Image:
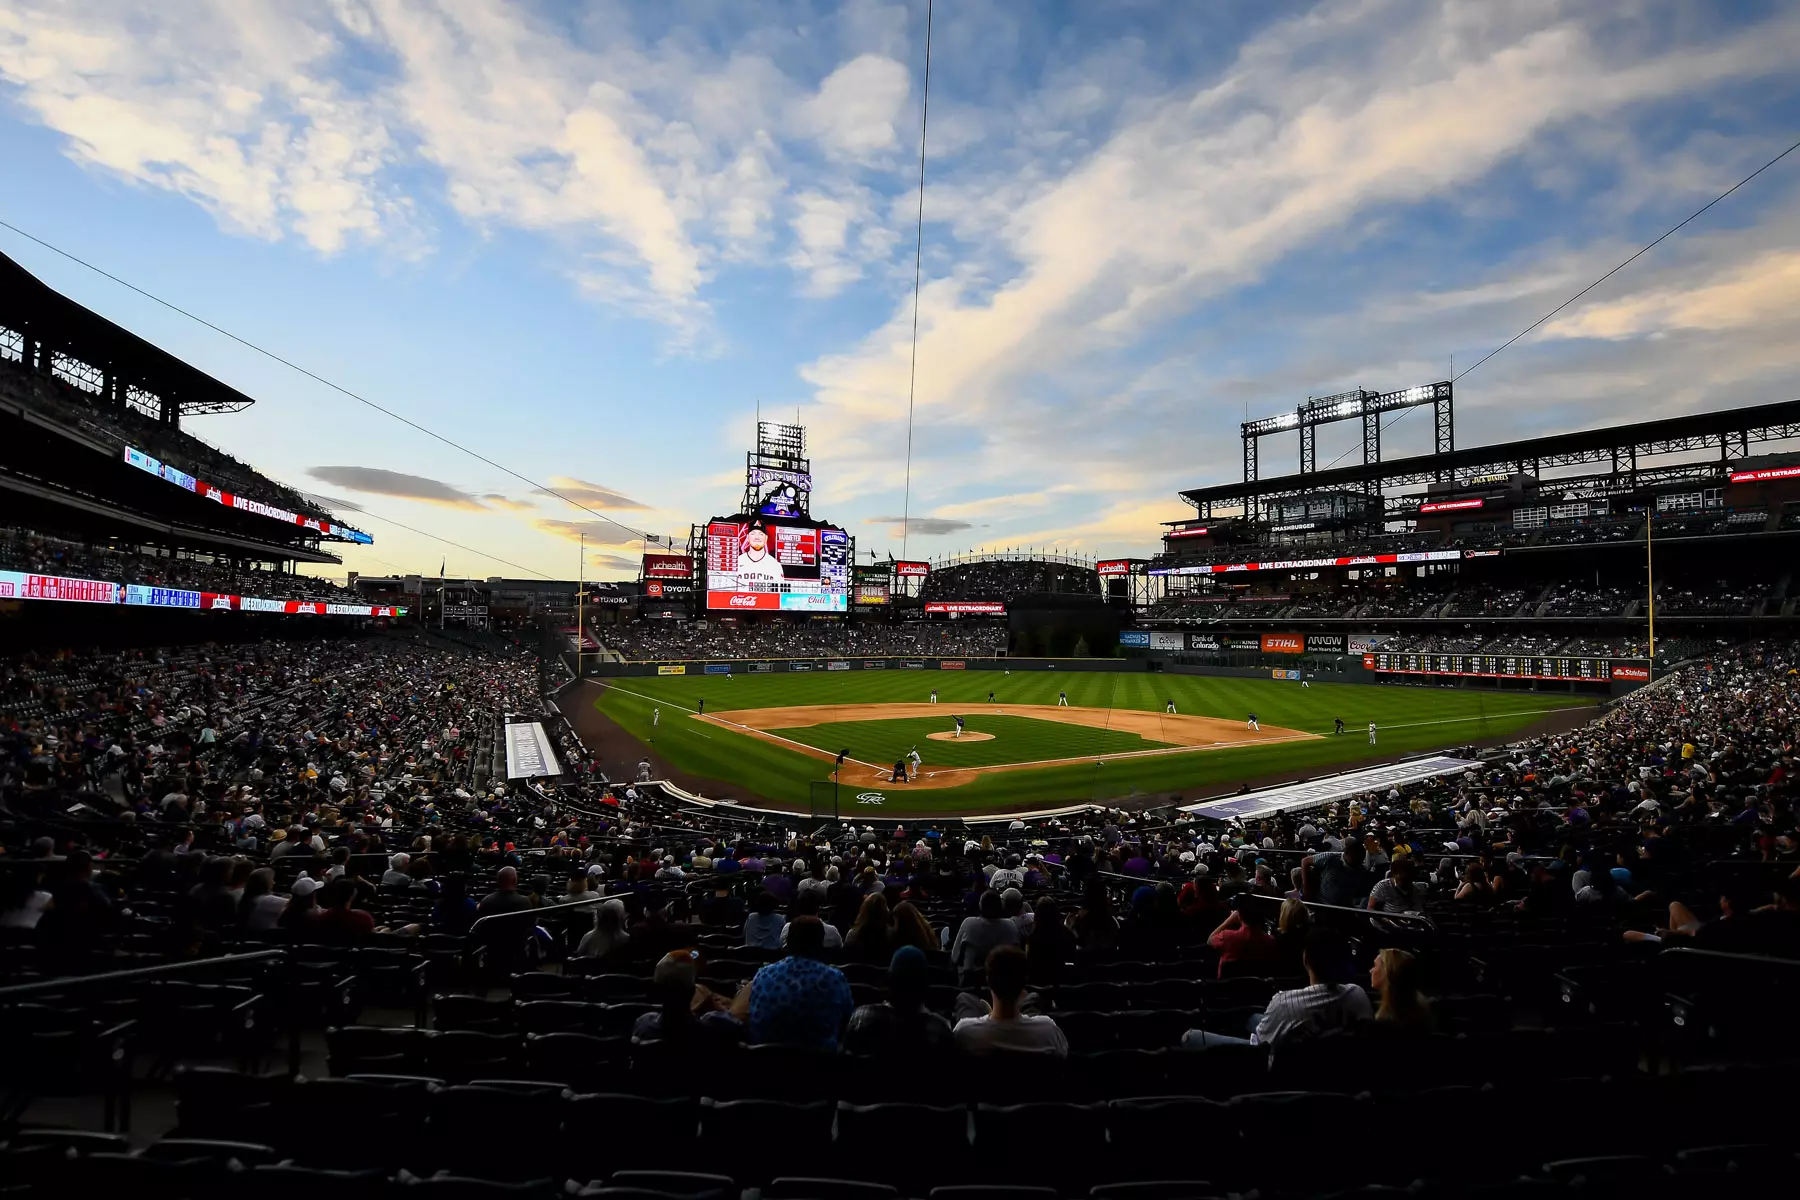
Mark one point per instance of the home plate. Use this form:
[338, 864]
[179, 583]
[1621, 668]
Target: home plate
[968, 736]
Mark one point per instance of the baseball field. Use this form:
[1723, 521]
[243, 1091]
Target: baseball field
[1022, 747]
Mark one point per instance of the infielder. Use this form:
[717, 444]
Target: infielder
[934, 695]
[1062, 699]
[1170, 708]
[1253, 724]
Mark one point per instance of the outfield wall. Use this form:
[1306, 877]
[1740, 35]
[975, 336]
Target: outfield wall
[1343, 669]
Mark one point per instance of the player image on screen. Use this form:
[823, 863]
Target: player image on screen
[753, 564]
[756, 570]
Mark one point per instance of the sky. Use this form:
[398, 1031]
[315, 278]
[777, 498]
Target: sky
[592, 241]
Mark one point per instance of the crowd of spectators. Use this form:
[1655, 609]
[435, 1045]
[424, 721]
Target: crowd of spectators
[1004, 578]
[652, 640]
[205, 796]
[23, 550]
[1576, 600]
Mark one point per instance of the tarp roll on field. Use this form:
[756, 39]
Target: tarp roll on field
[1314, 793]
[528, 751]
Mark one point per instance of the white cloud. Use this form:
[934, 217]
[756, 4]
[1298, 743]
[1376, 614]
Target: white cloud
[233, 106]
[1322, 125]
[853, 114]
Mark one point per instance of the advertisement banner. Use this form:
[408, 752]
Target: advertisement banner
[1283, 643]
[799, 666]
[1437, 506]
[1635, 674]
[1363, 643]
[837, 666]
[716, 669]
[1115, 566]
[1325, 643]
[1205, 641]
[872, 593]
[1134, 637]
[912, 665]
[1162, 640]
[668, 566]
[952, 665]
[912, 570]
[15, 585]
[1356, 560]
[1765, 474]
[874, 664]
[986, 608]
[759, 668]
[1368, 662]
[144, 462]
[672, 669]
[1280, 673]
[161, 597]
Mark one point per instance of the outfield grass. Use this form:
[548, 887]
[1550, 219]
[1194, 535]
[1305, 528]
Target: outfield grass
[1410, 720]
[1016, 739]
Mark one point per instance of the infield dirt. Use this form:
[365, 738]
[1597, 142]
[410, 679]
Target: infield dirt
[1181, 734]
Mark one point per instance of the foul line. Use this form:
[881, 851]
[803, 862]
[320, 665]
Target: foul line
[740, 725]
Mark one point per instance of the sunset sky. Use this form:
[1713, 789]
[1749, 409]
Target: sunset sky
[588, 240]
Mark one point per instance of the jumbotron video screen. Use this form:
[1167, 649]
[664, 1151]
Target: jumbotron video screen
[757, 564]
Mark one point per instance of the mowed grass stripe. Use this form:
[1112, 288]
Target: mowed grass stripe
[1016, 739]
[1412, 719]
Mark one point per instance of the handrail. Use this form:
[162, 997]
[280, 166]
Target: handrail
[68, 982]
[538, 913]
[1728, 956]
[1368, 913]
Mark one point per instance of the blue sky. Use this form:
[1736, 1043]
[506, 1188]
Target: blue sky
[589, 239]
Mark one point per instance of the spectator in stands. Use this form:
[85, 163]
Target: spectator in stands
[505, 897]
[809, 905]
[912, 929]
[1291, 930]
[799, 1001]
[1240, 941]
[688, 1013]
[764, 925]
[1328, 1001]
[261, 906]
[1338, 877]
[870, 938]
[397, 877]
[1400, 892]
[337, 921]
[608, 939]
[1093, 924]
[1394, 976]
[1005, 1028]
[900, 1028]
[979, 935]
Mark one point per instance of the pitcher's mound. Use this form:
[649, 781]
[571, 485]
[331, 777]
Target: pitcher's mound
[968, 736]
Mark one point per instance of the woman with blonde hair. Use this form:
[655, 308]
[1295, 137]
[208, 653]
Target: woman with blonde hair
[1395, 974]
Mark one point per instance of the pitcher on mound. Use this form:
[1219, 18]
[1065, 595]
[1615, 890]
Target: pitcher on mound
[959, 726]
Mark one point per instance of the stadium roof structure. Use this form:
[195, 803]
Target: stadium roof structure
[108, 358]
[1730, 431]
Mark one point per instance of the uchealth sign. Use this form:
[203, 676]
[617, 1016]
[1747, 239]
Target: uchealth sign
[1283, 643]
[1117, 566]
[912, 570]
[985, 608]
[668, 566]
